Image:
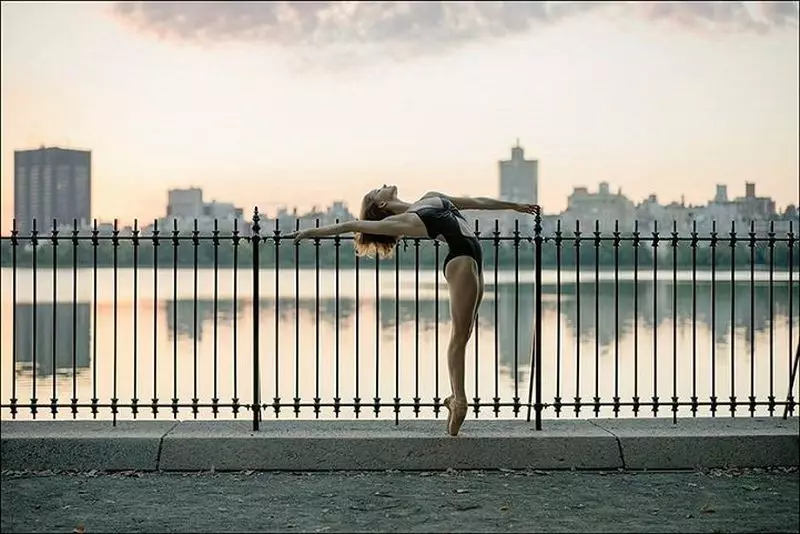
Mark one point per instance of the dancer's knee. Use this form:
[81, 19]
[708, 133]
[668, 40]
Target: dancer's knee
[459, 338]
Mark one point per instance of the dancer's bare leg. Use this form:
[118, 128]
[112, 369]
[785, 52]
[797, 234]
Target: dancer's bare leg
[465, 286]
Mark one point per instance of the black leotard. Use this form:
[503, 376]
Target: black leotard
[446, 223]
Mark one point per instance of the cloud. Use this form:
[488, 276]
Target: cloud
[419, 26]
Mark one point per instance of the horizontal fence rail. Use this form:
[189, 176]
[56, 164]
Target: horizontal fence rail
[167, 322]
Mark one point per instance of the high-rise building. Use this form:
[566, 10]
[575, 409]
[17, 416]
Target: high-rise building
[519, 178]
[52, 183]
[185, 203]
[722, 194]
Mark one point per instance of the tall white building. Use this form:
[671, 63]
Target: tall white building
[185, 203]
[519, 177]
[519, 182]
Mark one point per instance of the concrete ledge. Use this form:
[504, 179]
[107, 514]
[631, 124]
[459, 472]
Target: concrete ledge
[412, 445]
[378, 445]
[706, 442]
[82, 445]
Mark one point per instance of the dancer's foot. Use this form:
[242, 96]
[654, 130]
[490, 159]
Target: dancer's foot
[446, 403]
[457, 413]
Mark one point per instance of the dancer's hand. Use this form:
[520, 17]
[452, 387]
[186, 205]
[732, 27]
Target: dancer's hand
[298, 235]
[532, 209]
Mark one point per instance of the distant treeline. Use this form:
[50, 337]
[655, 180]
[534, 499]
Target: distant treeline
[225, 255]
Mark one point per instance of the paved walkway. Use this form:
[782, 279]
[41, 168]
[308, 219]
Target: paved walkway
[752, 500]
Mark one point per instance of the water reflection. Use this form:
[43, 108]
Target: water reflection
[181, 321]
[593, 310]
[49, 336]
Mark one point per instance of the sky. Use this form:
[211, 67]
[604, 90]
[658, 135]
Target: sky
[303, 103]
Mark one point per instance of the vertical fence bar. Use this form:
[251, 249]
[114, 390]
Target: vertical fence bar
[674, 245]
[789, 407]
[135, 244]
[636, 239]
[694, 318]
[255, 239]
[95, 243]
[397, 334]
[215, 341]
[276, 400]
[616, 317]
[175, 244]
[195, 245]
[35, 259]
[377, 398]
[558, 243]
[296, 398]
[496, 243]
[537, 229]
[516, 318]
[357, 398]
[236, 239]
[577, 406]
[74, 399]
[733, 317]
[316, 323]
[752, 244]
[416, 328]
[477, 398]
[14, 318]
[596, 318]
[537, 329]
[337, 243]
[713, 245]
[115, 247]
[154, 400]
[54, 250]
[655, 318]
[436, 398]
[772, 318]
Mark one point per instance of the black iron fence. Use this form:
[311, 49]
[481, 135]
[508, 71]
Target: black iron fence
[684, 324]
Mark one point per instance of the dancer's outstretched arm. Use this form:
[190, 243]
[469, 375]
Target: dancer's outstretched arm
[483, 203]
[405, 224]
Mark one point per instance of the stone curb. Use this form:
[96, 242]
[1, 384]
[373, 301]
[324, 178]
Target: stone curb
[602, 444]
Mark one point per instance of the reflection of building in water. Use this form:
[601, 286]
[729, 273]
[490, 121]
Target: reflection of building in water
[388, 307]
[48, 339]
[184, 313]
[653, 303]
[522, 323]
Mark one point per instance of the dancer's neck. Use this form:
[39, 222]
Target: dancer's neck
[397, 207]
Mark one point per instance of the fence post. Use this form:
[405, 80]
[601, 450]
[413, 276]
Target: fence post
[255, 238]
[536, 356]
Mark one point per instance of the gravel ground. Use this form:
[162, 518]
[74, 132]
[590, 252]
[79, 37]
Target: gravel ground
[754, 500]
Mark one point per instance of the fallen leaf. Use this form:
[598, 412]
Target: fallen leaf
[79, 529]
[504, 508]
[462, 491]
[707, 509]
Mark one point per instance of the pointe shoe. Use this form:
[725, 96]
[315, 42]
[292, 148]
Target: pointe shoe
[457, 413]
[446, 404]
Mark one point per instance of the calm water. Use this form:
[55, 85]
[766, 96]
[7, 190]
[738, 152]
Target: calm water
[594, 344]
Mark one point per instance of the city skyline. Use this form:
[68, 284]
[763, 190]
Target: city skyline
[650, 103]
